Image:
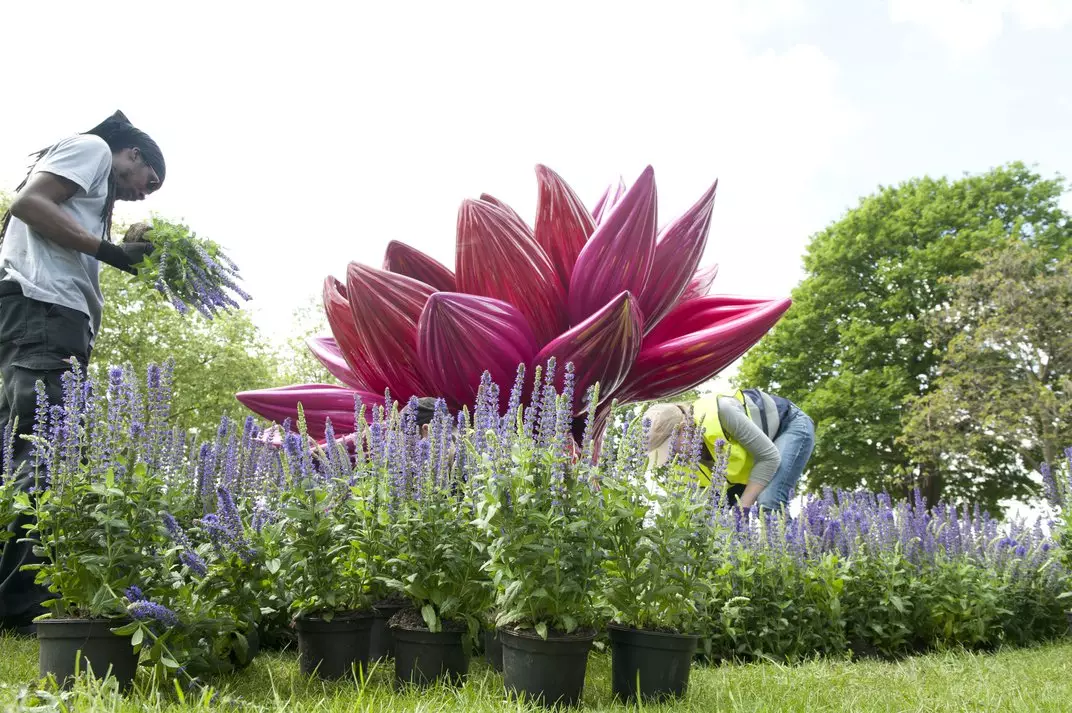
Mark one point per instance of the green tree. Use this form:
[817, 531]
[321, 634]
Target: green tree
[1001, 401]
[213, 359]
[854, 347]
[297, 365]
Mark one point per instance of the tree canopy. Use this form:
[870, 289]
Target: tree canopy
[855, 345]
[1001, 400]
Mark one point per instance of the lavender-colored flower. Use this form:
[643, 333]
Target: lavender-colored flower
[194, 562]
[228, 512]
[133, 593]
[144, 610]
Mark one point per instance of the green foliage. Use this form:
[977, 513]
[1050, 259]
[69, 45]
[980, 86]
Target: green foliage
[855, 346]
[543, 516]
[657, 538]
[1001, 400]
[325, 574]
[213, 359]
[95, 538]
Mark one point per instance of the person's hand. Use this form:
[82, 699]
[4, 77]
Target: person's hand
[137, 251]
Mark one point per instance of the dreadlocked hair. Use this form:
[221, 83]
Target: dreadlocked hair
[118, 133]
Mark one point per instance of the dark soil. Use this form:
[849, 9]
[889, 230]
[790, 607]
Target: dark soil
[552, 633]
[649, 630]
[411, 620]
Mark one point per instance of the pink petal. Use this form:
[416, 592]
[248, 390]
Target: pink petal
[497, 259]
[611, 197]
[460, 336]
[411, 262]
[699, 314]
[563, 224]
[602, 348]
[686, 361]
[601, 202]
[517, 219]
[619, 255]
[700, 284]
[385, 308]
[341, 320]
[677, 253]
[327, 351]
[319, 402]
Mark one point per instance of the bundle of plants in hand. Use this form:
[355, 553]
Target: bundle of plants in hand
[188, 270]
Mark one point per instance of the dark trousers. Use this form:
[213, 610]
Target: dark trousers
[37, 342]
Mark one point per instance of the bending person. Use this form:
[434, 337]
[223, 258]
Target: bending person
[769, 441]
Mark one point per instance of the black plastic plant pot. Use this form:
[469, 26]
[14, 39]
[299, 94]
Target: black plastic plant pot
[651, 665]
[425, 657]
[547, 671]
[85, 644]
[493, 649]
[337, 648]
[382, 644]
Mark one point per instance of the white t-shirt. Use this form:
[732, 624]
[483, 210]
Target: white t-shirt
[45, 270]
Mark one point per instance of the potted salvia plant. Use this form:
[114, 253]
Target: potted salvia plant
[372, 510]
[439, 559]
[323, 561]
[656, 545]
[96, 524]
[543, 517]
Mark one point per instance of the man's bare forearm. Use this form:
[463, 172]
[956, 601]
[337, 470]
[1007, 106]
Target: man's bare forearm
[49, 221]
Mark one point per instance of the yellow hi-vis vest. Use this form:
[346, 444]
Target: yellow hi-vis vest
[705, 411]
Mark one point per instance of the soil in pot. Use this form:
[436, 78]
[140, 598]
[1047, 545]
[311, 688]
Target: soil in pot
[652, 665]
[493, 649]
[550, 671]
[336, 648]
[382, 644]
[85, 643]
[424, 657]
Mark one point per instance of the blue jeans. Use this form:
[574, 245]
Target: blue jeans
[794, 442]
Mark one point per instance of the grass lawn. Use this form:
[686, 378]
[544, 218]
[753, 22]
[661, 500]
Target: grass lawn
[1035, 679]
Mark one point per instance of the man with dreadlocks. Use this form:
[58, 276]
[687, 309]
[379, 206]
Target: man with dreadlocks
[52, 242]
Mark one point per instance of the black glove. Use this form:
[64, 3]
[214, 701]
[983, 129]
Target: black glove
[124, 256]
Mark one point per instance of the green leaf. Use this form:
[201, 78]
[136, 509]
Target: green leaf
[428, 613]
[136, 639]
[541, 629]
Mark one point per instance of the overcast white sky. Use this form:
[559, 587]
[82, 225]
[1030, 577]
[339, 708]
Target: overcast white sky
[304, 137]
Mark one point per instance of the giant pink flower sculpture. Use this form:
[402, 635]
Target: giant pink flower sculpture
[625, 302]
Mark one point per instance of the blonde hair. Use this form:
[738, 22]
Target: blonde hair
[664, 418]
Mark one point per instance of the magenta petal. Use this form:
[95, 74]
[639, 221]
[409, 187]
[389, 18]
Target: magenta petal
[341, 320]
[385, 308]
[497, 259]
[619, 255]
[563, 224]
[687, 360]
[327, 351]
[411, 262]
[461, 336]
[677, 253]
[597, 209]
[700, 284]
[602, 348]
[319, 402]
[506, 208]
[700, 314]
[611, 197]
